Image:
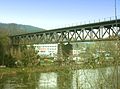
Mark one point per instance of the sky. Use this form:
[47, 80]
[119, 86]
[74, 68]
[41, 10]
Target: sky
[51, 14]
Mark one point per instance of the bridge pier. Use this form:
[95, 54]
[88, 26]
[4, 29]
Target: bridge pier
[64, 52]
[60, 53]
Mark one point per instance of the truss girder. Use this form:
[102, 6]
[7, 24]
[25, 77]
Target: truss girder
[99, 32]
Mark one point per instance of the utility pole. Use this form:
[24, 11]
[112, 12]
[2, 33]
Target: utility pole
[115, 11]
[117, 84]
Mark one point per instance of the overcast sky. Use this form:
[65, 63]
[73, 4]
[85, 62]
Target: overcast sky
[50, 14]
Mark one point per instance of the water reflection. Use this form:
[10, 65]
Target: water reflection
[102, 78]
[47, 81]
[64, 79]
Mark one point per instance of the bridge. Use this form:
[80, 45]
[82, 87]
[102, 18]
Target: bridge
[99, 31]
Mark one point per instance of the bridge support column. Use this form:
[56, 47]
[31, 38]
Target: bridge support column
[64, 52]
[60, 53]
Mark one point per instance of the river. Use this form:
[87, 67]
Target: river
[100, 78]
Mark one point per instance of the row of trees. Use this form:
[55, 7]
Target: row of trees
[100, 51]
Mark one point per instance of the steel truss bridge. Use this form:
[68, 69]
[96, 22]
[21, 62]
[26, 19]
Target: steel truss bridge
[100, 31]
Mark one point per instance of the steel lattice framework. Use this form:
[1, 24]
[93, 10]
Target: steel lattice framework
[101, 31]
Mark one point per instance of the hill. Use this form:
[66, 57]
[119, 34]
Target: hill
[14, 29]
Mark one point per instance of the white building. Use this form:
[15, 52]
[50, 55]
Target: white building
[47, 49]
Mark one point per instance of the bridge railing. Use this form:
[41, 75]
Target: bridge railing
[107, 19]
[89, 22]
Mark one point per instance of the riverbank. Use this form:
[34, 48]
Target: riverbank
[49, 68]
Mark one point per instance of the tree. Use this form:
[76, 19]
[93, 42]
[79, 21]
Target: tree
[5, 57]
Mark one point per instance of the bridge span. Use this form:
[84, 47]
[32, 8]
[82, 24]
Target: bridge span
[100, 31]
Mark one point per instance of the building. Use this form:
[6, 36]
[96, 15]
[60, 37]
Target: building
[47, 49]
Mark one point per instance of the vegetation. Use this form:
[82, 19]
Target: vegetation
[27, 56]
[5, 57]
[27, 59]
[99, 52]
[21, 58]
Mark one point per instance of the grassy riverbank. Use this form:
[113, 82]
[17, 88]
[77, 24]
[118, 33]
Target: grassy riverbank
[48, 68]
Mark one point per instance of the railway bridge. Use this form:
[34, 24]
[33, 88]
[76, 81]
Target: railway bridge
[100, 31]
